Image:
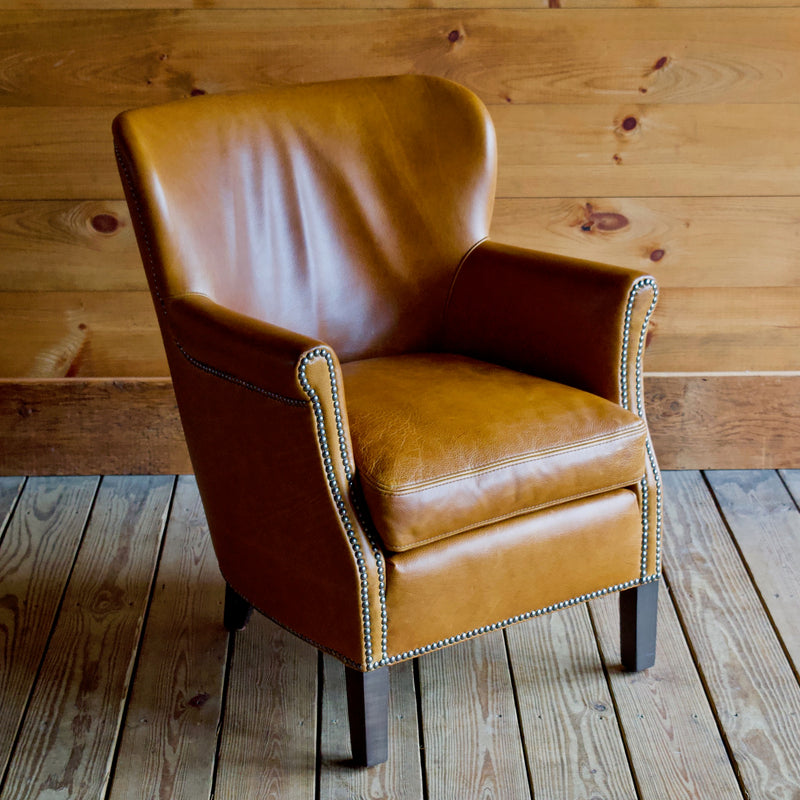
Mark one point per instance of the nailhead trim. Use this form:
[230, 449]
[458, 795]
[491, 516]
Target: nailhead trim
[340, 504]
[638, 286]
[150, 260]
[512, 620]
[291, 401]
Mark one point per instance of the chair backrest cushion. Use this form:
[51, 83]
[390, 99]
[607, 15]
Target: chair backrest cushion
[338, 210]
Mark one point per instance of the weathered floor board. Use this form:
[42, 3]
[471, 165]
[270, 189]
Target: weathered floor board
[118, 681]
[670, 732]
[754, 690]
[67, 740]
[572, 739]
[170, 739]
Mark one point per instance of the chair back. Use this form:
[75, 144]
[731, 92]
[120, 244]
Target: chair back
[338, 210]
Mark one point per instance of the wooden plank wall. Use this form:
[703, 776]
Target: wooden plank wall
[658, 134]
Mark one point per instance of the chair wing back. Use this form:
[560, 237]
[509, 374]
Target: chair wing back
[342, 220]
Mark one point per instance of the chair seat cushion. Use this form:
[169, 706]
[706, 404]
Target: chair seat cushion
[444, 443]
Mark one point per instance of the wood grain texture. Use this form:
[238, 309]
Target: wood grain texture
[36, 556]
[400, 777]
[669, 728]
[672, 150]
[469, 721]
[268, 745]
[572, 741]
[132, 426]
[10, 488]
[65, 247]
[765, 523]
[747, 675]
[77, 334]
[115, 334]
[66, 745]
[792, 480]
[545, 150]
[168, 746]
[60, 5]
[725, 330]
[685, 242]
[724, 421]
[139, 57]
[87, 427]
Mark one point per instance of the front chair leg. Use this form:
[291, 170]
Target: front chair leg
[368, 711]
[638, 610]
[237, 610]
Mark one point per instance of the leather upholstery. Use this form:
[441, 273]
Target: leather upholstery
[445, 444]
[403, 434]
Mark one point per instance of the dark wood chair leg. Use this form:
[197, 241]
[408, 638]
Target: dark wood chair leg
[638, 611]
[237, 610]
[368, 711]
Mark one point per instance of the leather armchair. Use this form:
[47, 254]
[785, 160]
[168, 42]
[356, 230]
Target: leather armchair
[405, 435]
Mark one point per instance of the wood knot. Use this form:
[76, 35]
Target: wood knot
[629, 123]
[454, 36]
[199, 700]
[603, 220]
[25, 411]
[657, 255]
[105, 223]
[197, 92]
[661, 63]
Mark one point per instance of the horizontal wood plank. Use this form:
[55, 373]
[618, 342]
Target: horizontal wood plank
[557, 150]
[67, 742]
[724, 421]
[685, 242]
[138, 57]
[115, 334]
[89, 427]
[168, 745]
[308, 5]
[132, 425]
[747, 675]
[725, 329]
[79, 334]
[36, 557]
[68, 246]
[635, 150]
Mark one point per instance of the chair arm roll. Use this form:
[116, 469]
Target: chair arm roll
[239, 347]
[577, 322]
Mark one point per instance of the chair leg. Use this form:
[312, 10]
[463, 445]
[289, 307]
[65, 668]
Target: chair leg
[237, 610]
[368, 711]
[638, 611]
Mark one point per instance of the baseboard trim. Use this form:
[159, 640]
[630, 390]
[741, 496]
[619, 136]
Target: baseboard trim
[108, 426]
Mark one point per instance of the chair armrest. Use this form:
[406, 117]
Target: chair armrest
[239, 347]
[265, 421]
[576, 322]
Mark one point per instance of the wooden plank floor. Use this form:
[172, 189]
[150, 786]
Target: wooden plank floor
[117, 679]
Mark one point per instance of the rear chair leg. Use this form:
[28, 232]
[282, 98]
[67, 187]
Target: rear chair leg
[368, 711]
[638, 610]
[237, 610]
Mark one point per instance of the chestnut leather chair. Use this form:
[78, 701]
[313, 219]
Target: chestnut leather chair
[405, 434]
